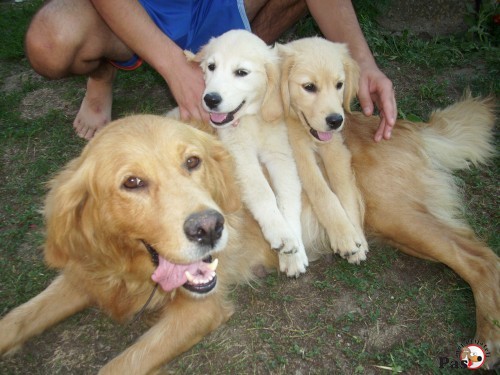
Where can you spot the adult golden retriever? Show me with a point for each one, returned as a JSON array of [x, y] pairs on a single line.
[[149, 201], [409, 193]]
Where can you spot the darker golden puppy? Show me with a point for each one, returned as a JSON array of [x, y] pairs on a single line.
[[150, 201]]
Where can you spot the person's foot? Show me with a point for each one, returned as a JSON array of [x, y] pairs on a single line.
[[95, 110]]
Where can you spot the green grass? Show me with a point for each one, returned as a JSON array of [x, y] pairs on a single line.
[[393, 310]]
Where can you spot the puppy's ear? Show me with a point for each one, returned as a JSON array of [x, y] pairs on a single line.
[[272, 107], [351, 68], [64, 209], [190, 56], [286, 55], [224, 188], [197, 58]]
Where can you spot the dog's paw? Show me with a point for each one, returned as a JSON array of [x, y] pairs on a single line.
[[285, 246], [294, 264], [283, 242], [349, 244], [358, 257]]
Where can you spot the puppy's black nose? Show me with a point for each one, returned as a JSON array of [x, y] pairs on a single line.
[[204, 227], [212, 100], [334, 121]]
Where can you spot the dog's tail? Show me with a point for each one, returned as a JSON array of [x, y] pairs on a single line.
[[461, 134]]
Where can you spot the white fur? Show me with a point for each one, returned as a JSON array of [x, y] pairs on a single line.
[[244, 71]]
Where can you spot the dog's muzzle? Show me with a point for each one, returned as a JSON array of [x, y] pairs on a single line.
[[219, 118]]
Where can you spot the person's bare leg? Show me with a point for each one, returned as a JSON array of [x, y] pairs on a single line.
[[270, 19], [95, 110], [68, 37]]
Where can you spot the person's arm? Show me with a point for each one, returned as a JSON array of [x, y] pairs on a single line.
[[338, 22], [131, 23]]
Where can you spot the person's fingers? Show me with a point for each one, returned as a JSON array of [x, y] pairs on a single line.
[[184, 114], [391, 110], [364, 97], [386, 103], [380, 131], [193, 113]]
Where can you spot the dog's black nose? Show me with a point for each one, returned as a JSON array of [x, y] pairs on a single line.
[[334, 121], [212, 100], [204, 227]]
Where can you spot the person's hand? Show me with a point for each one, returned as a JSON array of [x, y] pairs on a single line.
[[187, 86], [376, 88]]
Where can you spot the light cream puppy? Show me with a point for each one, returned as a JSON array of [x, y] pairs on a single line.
[[242, 96]]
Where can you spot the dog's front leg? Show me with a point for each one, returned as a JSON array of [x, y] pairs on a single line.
[[337, 162], [184, 322], [59, 301], [261, 201], [343, 236], [285, 181]]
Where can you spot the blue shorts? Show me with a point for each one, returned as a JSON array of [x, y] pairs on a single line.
[[191, 23]]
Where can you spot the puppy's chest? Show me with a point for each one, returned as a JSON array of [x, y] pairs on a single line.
[[252, 135]]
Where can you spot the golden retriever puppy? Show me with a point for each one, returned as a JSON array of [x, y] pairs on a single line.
[[150, 202], [315, 98], [406, 183], [243, 99]]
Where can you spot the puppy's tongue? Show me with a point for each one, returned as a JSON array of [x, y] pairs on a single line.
[[324, 136], [218, 117], [170, 275]]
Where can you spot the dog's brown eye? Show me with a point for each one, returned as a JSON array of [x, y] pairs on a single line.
[[211, 67], [241, 73], [310, 87], [339, 85], [192, 162], [134, 183]]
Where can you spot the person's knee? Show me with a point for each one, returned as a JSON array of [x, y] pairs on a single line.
[[49, 45]]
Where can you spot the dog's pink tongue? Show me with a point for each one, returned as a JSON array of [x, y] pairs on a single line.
[[171, 275], [324, 136], [218, 117]]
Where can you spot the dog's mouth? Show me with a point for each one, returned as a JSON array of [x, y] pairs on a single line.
[[197, 277], [320, 136], [219, 119]]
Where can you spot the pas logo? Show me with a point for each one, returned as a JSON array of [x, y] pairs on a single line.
[[471, 355]]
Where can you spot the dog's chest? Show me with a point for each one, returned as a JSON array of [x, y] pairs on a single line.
[[252, 135]]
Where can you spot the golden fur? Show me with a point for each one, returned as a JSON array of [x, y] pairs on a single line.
[[96, 227], [409, 193], [413, 203], [314, 91]]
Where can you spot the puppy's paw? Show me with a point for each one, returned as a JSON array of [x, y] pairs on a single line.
[[283, 242], [294, 264], [349, 244], [358, 257]]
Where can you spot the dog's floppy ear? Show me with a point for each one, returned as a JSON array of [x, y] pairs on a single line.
[[272, 107], [286, 55], [64, 209], [190, 56], [222, 183], [351, 69]]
